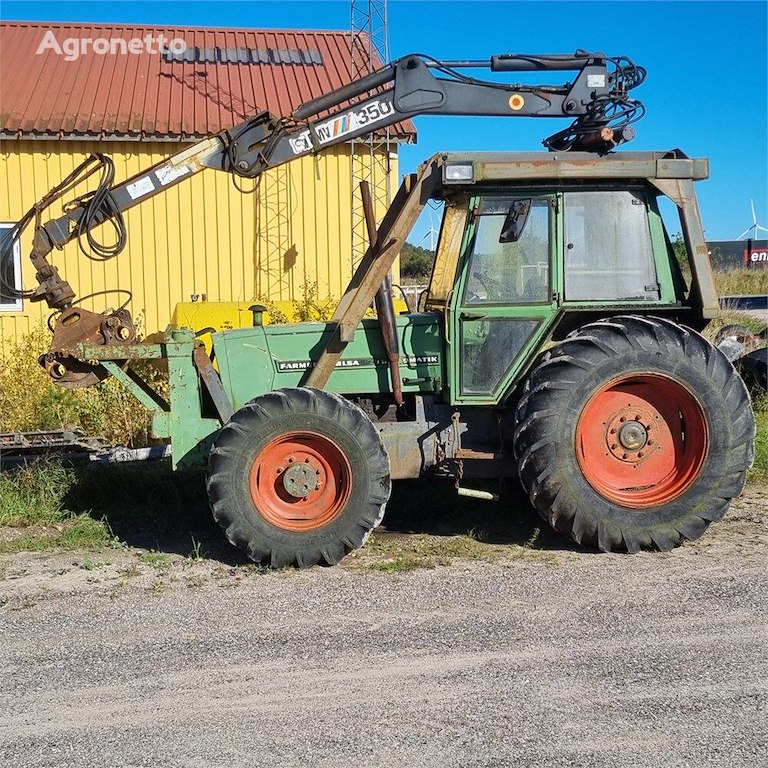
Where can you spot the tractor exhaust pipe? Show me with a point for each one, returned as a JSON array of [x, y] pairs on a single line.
[[385, 308]]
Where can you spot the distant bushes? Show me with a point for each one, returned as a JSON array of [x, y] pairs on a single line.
[[416, 262]]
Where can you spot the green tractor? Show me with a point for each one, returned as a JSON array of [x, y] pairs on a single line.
[[557, 343]]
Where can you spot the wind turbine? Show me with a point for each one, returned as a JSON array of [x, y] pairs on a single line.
[[751, 232], [755, 226], [432, 234]]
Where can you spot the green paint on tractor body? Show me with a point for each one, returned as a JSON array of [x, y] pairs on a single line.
[[256, 360]]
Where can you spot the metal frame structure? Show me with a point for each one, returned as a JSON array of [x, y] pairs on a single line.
[[369, 40]]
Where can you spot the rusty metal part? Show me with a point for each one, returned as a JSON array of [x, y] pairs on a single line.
[[471, 453], [51, 288], [212, 381], [75, 326], [47, 440], [385, 309]]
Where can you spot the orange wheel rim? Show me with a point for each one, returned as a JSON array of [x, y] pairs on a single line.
[[300, 481], [641, 440]]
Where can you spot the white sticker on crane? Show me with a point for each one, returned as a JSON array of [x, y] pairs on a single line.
[[369, 114], [168, 173], [140, 188], [595, 81]]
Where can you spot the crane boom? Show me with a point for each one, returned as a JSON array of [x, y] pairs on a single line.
[[596, 100]]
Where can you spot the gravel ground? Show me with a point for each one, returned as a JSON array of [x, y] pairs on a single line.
[[560, 658]]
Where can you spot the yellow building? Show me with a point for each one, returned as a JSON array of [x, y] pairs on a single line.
[[202, 239]]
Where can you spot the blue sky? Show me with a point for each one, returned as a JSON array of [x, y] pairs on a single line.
[[706, 92]]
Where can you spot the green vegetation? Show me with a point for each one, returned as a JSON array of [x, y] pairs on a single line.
[[741, 282], [751, 323], [44, 506], [77, 533], [30, 401], [416, 262], [156, 559], [33, 500], [197, 552], [759, 471], [34, 495], [398, 553], [729, 281], [400, 564], [310, 306]]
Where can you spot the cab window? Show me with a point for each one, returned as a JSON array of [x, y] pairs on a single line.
[[608, 253], [514, 272]]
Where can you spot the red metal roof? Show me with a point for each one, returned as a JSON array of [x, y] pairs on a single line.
[[223, 77]]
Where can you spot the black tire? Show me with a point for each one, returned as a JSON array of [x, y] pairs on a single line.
[[556, 436], [268, 435]]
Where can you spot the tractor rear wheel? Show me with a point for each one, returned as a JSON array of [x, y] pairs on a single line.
[[298, 477], [633, 433]]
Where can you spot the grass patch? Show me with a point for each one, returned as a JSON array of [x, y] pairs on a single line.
[[391, 553], [46, 506], [759, 471], [400, 564], [165, 514], [34, 494], [156, 559], [741, 282], [729, 317], [81, 532], [439, 549], [32, 501]]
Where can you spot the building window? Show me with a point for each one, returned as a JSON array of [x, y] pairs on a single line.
[[10, 273]]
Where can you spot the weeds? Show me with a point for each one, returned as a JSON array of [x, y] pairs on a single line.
[[311, 306], [406, 553], [759, 471], [82, 532], [156, 559], [197, 552], [400, 564], [33, 501], [741, 282], [30, 401], [34, 494]]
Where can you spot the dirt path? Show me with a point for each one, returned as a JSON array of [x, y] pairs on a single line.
[[547, 659]]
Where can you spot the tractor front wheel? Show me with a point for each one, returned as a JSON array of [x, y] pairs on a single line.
[[298, 477], [633, 433]]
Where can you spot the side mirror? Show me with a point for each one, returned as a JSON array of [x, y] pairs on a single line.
[[514, 221]]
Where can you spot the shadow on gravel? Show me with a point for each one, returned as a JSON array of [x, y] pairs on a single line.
[[150, 507], [433, 507]]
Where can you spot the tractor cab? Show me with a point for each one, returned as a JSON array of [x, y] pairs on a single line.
[[529, 248]]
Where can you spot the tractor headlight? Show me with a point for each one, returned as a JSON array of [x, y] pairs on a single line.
[[459, 173]]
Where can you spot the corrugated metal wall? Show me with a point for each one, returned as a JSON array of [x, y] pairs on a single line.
[[201, 237]]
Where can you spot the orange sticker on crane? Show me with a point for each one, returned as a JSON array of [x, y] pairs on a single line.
[[516, 102]]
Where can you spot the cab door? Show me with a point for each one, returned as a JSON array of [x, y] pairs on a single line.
[[504, 300]]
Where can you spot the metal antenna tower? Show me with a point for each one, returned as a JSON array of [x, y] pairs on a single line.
[[369, 156]]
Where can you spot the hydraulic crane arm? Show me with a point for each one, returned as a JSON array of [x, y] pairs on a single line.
[[596, 100]]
